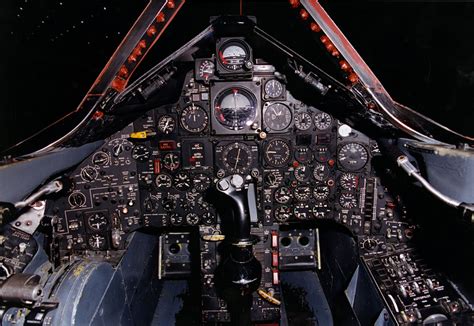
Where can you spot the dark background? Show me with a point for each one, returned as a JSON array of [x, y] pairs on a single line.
[[52, 51]]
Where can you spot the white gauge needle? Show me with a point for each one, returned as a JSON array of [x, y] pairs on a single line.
[[237, 159]]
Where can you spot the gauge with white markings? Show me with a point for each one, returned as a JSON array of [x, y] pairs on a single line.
[[97, 242], [349, 181], [97, 221], [182, 181], [163, 181], [282, 213], [348, 200], [302, 193], [352, 156], [192, 219], [273, 88], [320, 172], [302, 211], [194, 118], [171, 161], [176, 219], [302, 173], [277, 116], [277, 152], [235, 108], [303, 121], [322, 120], [141, 153], [201, 182], [283, 195], [303, 154], [237, 158], [206, 70], [89, 173], [232, 55], [321, 192], [166, 124]]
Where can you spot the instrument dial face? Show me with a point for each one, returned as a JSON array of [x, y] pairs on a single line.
[[97, 242], [303, 193], [141, 153], [303, 154], [322, 153], [192, 219], [352, 156], [201, 182], [282, 213], [208, 218], [322, 120], [77, 199], [277, 116], [277, 152], [320, 172], [273, 88], [171, 161], [89, 173], [349, 181], [97, 221], [302, 173], [101, 159], [176, 219], [163, 181], [302, 211], [321, 210], [283, 195], [182, 181], [206, 70], [321, 192], [166, 124], [303, 121], [348, 200], [235, 108], [237, 158], [151, 204], [194, 119], [232, 55]]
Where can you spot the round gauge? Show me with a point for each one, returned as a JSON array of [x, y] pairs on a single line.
[[208, 218], [151, 204], [320, 172], [194, 118], [349, 181], [237, 158], [166, 124], [273, 179], [168, 203], [277, 116], [283, 195], [348, 200], [97, 221], [171, 161], [277, 152], [322, 153], [302, 193], [100, 159], [321, 192], [321, 210], [235, 108], [206, 70], [119, 145], [302, 173], [97, 242], [302, 211], [352, 156], [176, 219], [232, 55], [303, 121], [273, 88], [141, 153], [201, 182], [77, 199], [303, 154], [282, 213], [163, 181], [182, 181], [322, 121], [192, 219], [89, 173]]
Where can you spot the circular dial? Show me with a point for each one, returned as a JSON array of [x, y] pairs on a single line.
[[302, 211], [192, 219], [302, 193], [237, 158], [282, 213], [97, 221], [182, 181], [321, 209], [89, 173], [277, 152], [171, 161], [283, 195], [166, 124], [77, 199], [100, 159], [349, 181], [232, 55], [302, 173], [277, 116], [206, 70], [303, 154], [352, 156], [303, 121], [97, 242], [194, 118], [273, 88], [151, 204], [320, 172], [235, 108], [208, 218], [322, 121], [141, 153], [322, 153], [163, 181], [201, 182], [348, 200], [321, 192], [176, 219]]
